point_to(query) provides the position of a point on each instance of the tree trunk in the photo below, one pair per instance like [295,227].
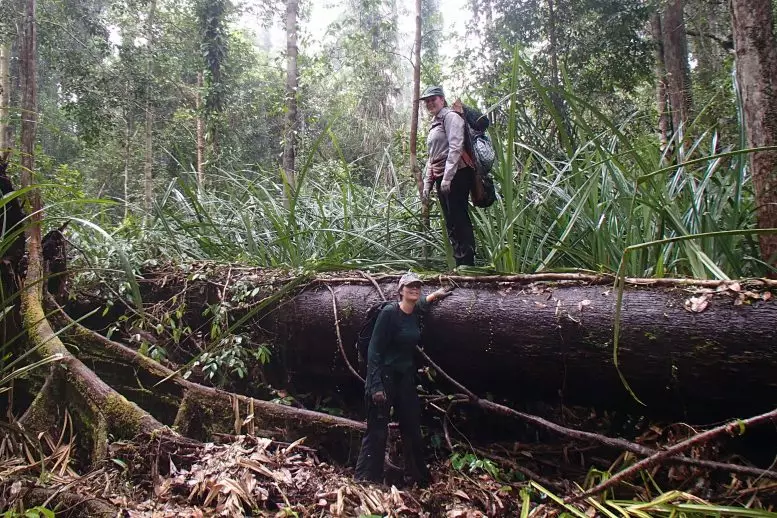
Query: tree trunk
[148,177]
[290,140]
[127,154]
[546,340]
[28,56]
[5,94]
[660,71]
[562,132]
[200,133]
[554,82]
[756,68]
[675,47]
[416,170]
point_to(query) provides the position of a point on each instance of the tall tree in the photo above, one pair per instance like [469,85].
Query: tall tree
[199,132]
[212,19]
[28,56]
[148,174]
[675,48]
[756,69]
[292,127]
[415,169]
[660,68]
[431,18]
[5,94]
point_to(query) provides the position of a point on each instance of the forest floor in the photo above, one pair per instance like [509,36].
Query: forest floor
[243,475]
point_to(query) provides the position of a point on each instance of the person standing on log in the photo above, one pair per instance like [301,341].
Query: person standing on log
[391,383]
[446,169]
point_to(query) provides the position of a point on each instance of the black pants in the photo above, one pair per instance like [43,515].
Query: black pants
[455,208]
[401,394]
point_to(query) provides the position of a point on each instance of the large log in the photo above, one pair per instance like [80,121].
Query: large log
[687,348]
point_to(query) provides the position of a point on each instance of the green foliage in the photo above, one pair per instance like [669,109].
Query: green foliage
[473,464]
[32,512]
[609,189]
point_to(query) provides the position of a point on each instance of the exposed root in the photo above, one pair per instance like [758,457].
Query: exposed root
[203,410]
[71,381]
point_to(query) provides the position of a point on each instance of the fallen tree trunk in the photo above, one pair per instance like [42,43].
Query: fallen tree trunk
[701,350]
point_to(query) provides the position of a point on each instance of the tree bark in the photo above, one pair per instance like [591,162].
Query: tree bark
[29,126]
[660,71]
[415,169]
[546,340]
[5,94]
[756,69]
[127,155]
[675,47]
[200,133]
[148,176]
[290,140]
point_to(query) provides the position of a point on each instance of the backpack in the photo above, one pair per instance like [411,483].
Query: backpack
[478,154]
[365,333]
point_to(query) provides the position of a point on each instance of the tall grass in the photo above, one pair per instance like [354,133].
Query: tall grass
[337,224]
[573,198]
[603,191]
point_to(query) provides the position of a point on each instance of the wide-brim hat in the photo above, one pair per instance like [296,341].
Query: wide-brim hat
[408,278]
[432,91]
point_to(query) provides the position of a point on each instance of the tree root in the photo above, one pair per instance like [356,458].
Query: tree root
[92,400]
[202,410]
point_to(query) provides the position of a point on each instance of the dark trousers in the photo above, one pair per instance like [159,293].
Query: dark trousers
[401,394]
[455,208]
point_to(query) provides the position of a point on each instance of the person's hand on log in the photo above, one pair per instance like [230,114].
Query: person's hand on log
[439,294]
[379,398]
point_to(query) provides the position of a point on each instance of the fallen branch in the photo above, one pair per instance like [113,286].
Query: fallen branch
[591,279]
[612,442]
[340,337]
[731,428]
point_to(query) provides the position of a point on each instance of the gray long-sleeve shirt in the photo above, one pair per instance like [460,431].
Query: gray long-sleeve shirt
[444,144]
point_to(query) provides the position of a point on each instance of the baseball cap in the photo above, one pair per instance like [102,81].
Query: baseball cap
[431,91]
[408,278]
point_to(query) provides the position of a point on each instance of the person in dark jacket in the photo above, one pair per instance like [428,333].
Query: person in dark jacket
[447,170]
[391,383]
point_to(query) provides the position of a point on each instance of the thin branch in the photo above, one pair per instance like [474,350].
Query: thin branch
[591,279]
[736,427]
[374,283]
[340,338]
[612,442]
[726,43]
